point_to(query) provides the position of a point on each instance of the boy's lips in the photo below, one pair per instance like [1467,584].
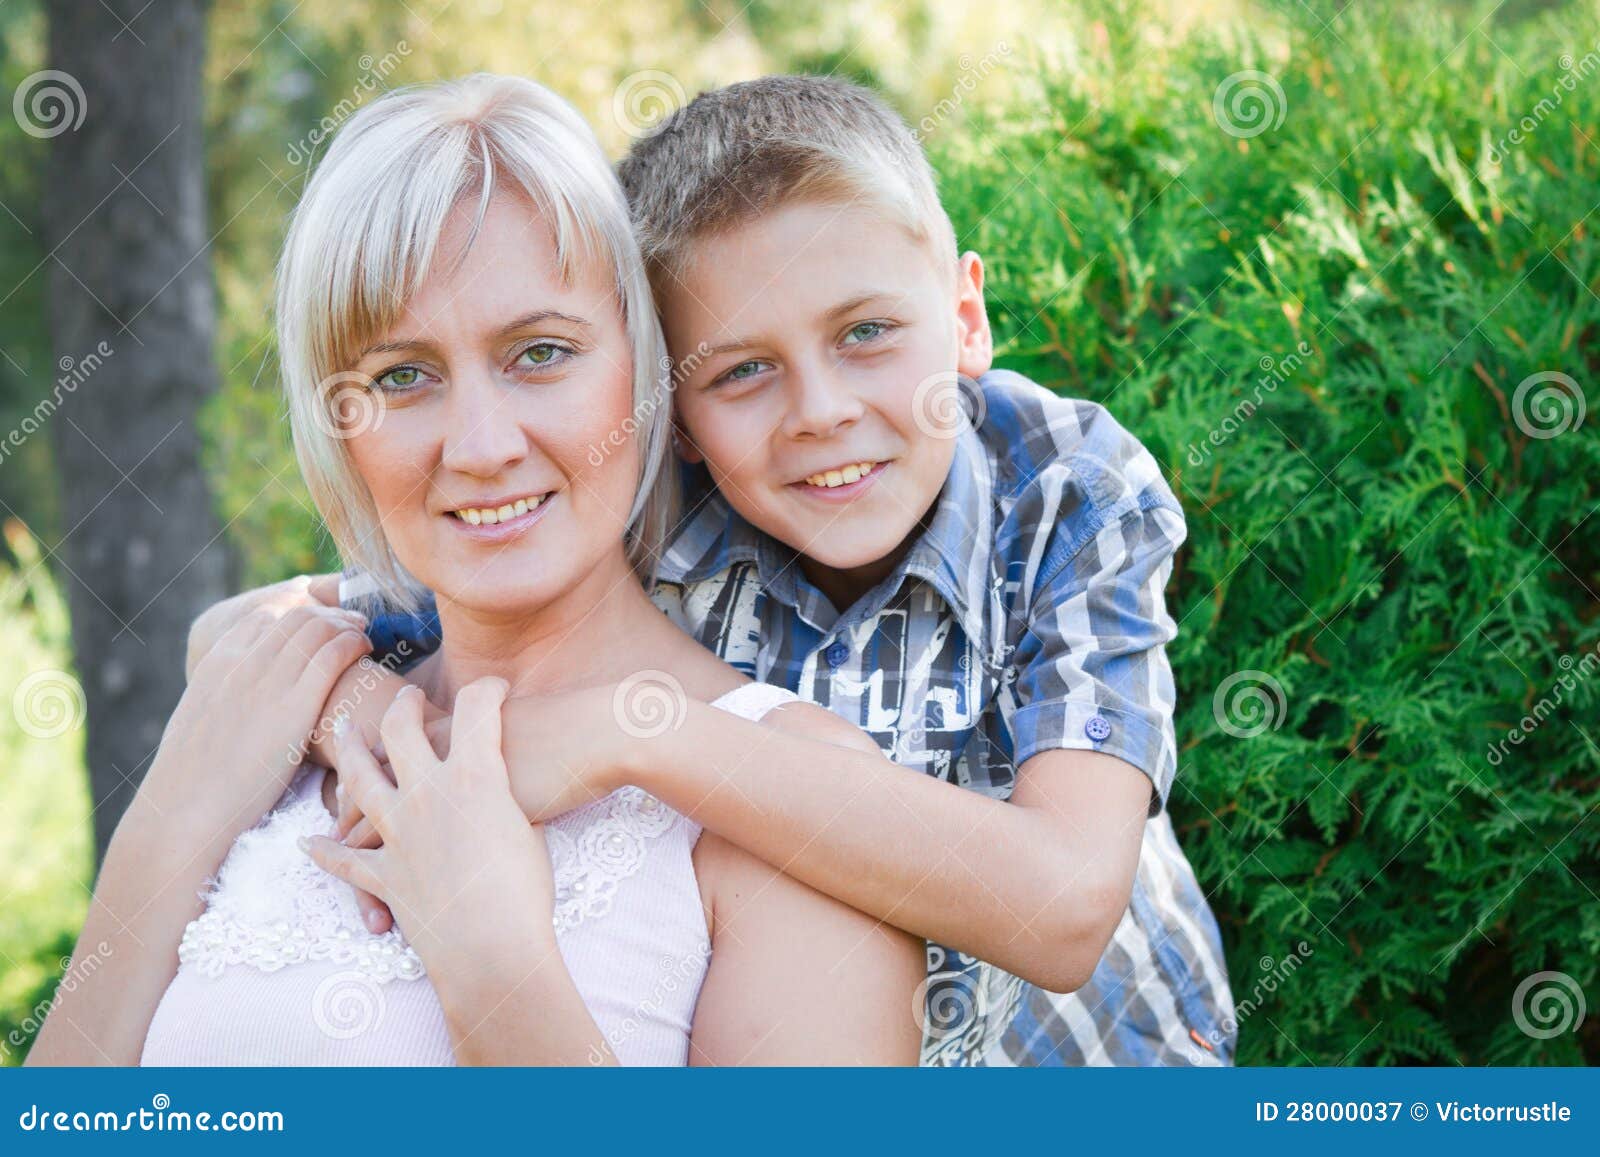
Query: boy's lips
[843,491]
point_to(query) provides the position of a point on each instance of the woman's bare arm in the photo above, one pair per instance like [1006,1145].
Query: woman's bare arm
[797,978]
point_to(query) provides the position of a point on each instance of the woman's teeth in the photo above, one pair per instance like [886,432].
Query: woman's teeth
[490,515]
[842,477]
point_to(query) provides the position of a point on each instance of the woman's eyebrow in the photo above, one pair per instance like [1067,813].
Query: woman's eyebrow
[520,323]
[543,315]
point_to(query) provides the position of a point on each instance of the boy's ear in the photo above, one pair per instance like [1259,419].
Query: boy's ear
[685,446]
[975,344]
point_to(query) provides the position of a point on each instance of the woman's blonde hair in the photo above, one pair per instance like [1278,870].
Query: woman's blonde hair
[364,238]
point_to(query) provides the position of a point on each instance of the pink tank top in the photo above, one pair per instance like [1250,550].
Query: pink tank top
[279,970]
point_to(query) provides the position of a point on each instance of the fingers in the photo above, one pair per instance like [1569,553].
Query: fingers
[475,735]
[404,741]
[363,835]
[367,791]
[324,588]
[375,913]
[332,659]
[356,868]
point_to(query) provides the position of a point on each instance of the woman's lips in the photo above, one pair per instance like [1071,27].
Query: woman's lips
[845,492]
[501,531]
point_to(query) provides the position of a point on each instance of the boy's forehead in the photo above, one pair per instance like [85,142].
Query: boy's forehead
[800,261]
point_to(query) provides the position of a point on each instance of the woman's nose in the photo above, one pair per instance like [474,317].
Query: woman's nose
[482,434]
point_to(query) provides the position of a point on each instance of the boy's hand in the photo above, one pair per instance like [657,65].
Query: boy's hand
[563,751]
[278,600]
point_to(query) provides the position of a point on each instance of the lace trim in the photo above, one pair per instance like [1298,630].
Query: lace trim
[595,847]
[270,906]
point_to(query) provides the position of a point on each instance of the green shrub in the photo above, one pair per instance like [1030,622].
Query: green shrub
[1393,565]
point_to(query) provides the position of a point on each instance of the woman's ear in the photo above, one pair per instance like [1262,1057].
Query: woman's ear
[974,342]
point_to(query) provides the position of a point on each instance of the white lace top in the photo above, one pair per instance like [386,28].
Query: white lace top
[279,970]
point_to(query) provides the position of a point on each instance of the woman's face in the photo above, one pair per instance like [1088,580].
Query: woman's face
[490,392]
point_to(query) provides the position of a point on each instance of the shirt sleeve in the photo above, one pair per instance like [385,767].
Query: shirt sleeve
[1091,667]
[400,638]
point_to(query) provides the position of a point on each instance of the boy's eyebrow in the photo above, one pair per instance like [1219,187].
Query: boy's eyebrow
[852,304]
[849,305]
[523,322]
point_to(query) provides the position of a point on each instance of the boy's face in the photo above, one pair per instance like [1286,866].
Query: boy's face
[812,342]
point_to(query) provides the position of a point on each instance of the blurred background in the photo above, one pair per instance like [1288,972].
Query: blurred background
[1334,263]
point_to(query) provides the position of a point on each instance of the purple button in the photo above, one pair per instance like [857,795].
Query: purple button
[1097,728]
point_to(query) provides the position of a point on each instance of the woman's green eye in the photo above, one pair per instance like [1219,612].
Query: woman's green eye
[542,354]
[400,378]
[865,331]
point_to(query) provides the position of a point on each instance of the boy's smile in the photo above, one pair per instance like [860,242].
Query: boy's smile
[810,331]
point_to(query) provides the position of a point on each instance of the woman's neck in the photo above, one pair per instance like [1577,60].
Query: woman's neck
[591,633]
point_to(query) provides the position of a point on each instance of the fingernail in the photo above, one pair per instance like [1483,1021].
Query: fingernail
[373,921]
[341,725]
[338,792]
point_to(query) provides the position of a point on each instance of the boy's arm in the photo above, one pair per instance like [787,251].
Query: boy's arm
[1035,886]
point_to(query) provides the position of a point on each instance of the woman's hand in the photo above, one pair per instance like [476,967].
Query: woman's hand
[467,877]
[240,730]
[562,751]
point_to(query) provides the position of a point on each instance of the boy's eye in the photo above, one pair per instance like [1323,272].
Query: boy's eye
[399,378]
[865,331]
[743,370]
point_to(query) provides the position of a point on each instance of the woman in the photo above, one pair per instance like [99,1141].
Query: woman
[462,317]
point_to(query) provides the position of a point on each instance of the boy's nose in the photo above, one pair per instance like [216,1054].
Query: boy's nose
[820,405]
[482,434]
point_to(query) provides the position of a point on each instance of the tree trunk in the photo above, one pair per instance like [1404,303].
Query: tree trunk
[129,267]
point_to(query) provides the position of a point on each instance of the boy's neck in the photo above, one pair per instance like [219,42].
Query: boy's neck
[844,586]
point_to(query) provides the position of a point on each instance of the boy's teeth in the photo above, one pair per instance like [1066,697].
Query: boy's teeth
[493,515]
[843,476]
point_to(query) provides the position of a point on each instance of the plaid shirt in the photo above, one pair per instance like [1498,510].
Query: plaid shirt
[1029,616]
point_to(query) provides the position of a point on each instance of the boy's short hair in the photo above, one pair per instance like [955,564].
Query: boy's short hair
[734,154]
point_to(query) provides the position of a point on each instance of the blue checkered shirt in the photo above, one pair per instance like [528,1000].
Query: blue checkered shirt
[1029,616]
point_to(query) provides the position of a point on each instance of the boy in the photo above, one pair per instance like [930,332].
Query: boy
[980,592]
